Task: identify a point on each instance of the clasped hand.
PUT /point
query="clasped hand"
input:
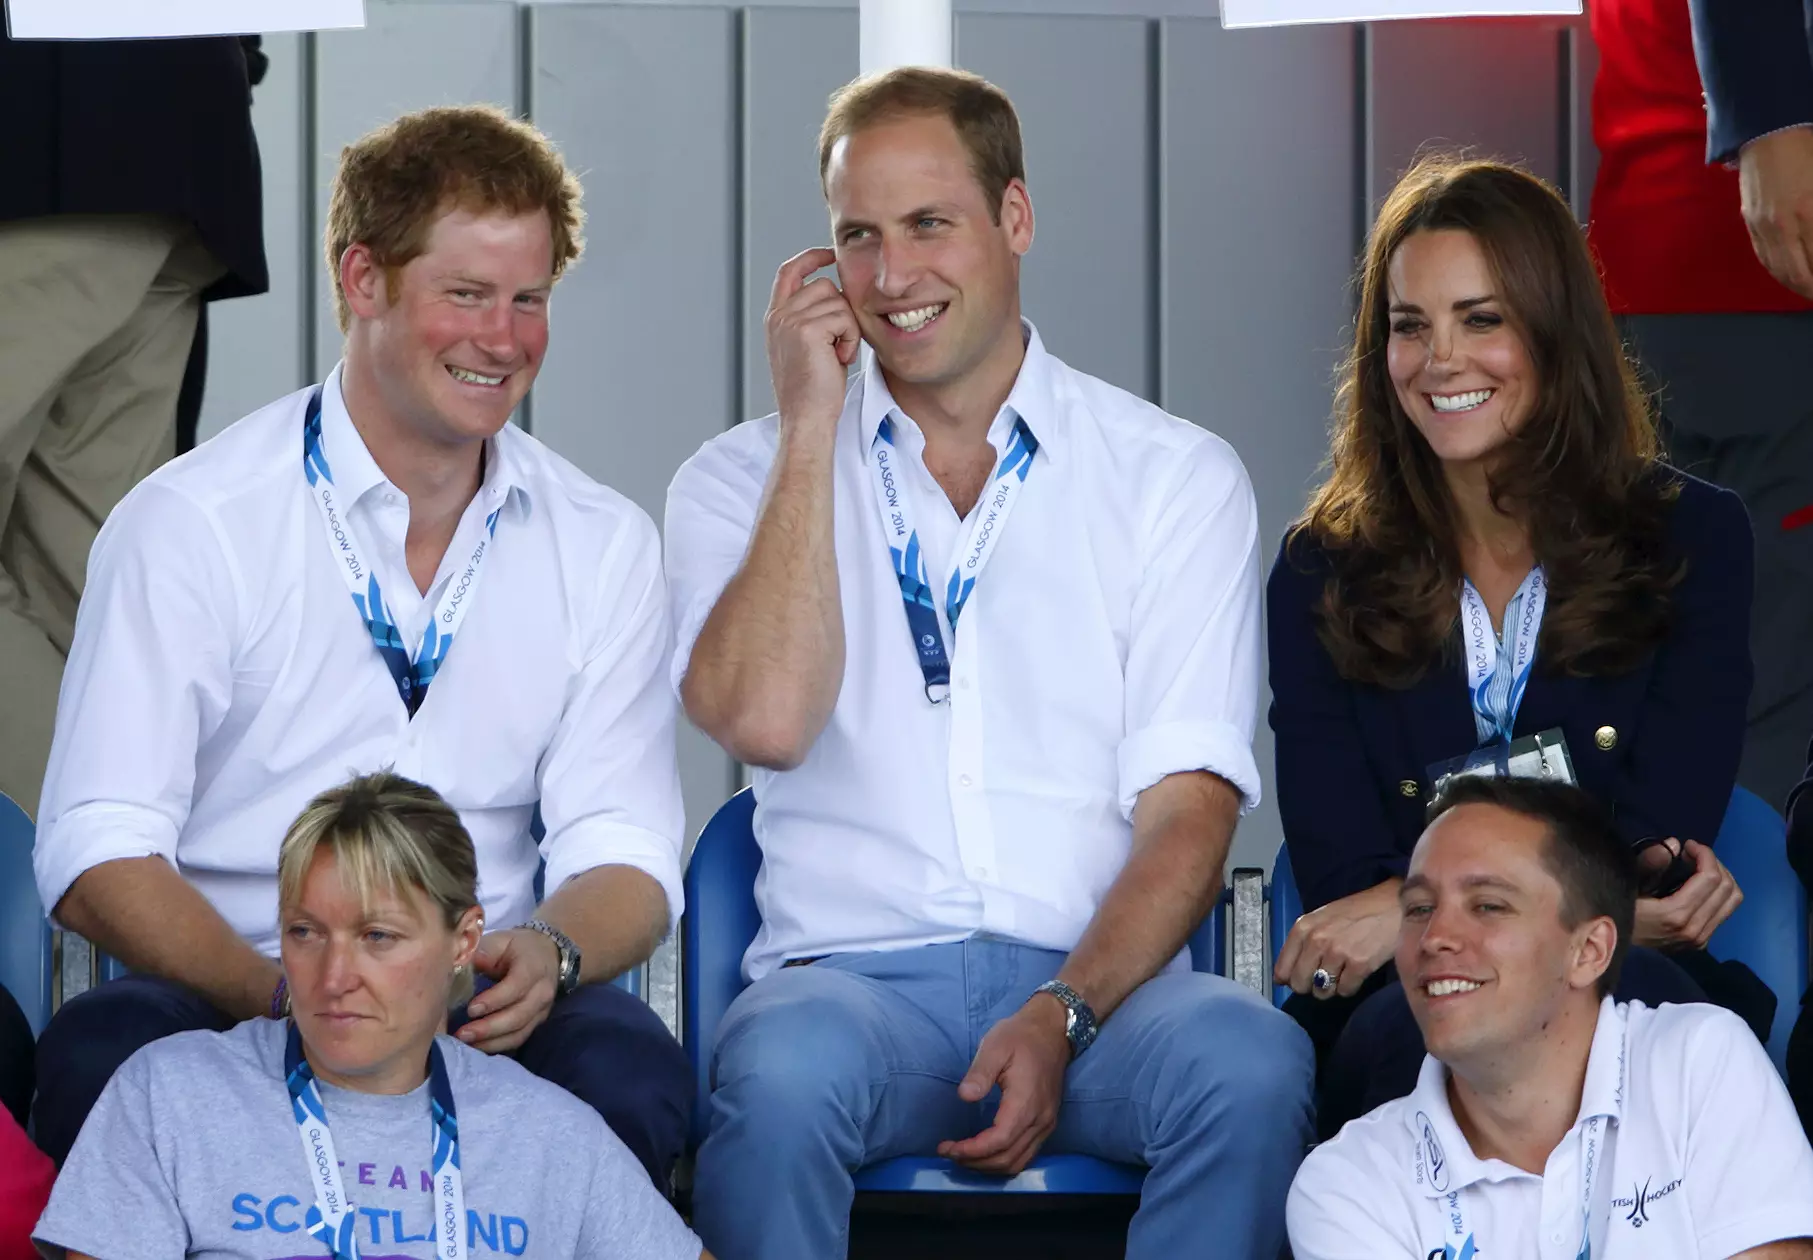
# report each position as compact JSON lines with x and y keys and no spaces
{"x":1026,"y":1054}
{"x":1349,"y":939}
{"x":1775,"y":183}
{"x":1686,"y":918}
{"x":525,"y":968}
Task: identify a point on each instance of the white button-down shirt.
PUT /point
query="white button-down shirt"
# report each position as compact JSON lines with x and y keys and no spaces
{"x":1113,"y":639}
{"x":1703,"y":1157}
{"x":221,"y":675}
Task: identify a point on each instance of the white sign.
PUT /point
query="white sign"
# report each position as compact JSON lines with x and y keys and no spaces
{"x":1236,"y":13}
{"x":149,"y":19}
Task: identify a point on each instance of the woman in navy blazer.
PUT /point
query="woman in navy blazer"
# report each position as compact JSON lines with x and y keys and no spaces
{"x":1493,"y":451}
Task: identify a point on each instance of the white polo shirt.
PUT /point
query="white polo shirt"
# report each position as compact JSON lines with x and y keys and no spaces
{"x":1696,"y":1154}
{"x":1112,"y":639}
{"x":221,"y":675}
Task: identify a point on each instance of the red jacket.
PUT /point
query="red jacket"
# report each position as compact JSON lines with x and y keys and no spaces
{"x":25,"y":1177}
{"x":1667,"y":227}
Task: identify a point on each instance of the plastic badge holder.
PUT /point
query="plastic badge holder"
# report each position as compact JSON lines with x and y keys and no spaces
{"x":1543,"y":755}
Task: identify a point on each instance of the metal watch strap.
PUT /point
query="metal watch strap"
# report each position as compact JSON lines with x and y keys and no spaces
{"x":569,"y":953}
{"x":1080,"y":1023}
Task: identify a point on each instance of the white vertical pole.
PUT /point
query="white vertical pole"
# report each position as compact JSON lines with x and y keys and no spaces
{"x":904,"y":33}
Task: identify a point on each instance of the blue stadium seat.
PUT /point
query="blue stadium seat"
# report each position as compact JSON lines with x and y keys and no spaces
{"x":1769,"y":931}
{"x":24,"y":932}
{"x":721,"y":920}
{"x":1286,"y":906}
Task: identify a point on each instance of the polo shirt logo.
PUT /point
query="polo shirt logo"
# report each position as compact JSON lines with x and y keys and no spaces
{"x":1429,"y":1158}
{"x":1641,"y":1198}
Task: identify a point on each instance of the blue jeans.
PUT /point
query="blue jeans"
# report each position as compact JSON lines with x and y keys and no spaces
{"x":822,"y":1069}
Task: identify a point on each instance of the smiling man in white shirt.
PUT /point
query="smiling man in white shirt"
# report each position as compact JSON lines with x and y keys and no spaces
{"x":382,"y":572}
{"x":1551,"y":1121}
{"x":1013,"y":755}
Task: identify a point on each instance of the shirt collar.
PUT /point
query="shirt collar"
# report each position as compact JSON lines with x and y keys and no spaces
{"x":356,"y":473}
{"x":1444,"y":1162}
{"x":1032,"y":399}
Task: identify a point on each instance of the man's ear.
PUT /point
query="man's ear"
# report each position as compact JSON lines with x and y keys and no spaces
{"x":1016,"y":216}
{"x":364,"y":282}
{"x":1595,"y":941}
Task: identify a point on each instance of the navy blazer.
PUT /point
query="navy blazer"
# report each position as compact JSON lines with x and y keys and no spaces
{"x":1756,"y":64}
{"x":1353,"y":758}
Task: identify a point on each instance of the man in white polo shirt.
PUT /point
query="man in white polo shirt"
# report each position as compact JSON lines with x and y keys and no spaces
{"x":1550,"y":1121}
{"x":382,"y":572}
{"x":997,"y":775}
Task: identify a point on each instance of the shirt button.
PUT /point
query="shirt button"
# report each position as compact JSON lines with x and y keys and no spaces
{"x":963,"y":780}
{"x":982,"y":872}
{"x":1606,"y":737}
{"x":962,"y":684}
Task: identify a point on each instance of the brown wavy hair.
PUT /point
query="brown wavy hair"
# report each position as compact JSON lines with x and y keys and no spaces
{"x":1583,"y":472}
{"x":395,"y":182}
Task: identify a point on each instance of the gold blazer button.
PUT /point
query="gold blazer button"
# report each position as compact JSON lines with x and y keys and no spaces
{"x":1606,"y":737}
{"x":1407,"y":788}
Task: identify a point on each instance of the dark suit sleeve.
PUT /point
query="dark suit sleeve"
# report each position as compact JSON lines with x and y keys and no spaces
{"x":1339,"y":836}
{"x":1683,"y":761}
{"x":1756,"y":64}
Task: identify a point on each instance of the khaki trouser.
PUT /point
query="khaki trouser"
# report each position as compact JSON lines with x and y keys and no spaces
{"x":97,"y":314}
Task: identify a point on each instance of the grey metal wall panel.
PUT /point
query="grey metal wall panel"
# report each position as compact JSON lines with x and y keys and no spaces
{"x":1258,"y":244}
{"x":1585,"y":67}
{"x":1489,"y":84}
{"x":793,"y":60}
{"x":255,"y":344}
{"x":642,"y":368}
{"x":1082,"y":87}
{"x":409,"y":56}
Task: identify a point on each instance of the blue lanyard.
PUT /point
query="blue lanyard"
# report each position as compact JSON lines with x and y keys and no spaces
{"x":331,"y":1219}
{"x":412,"y":674}
{"x":1461,"y":1244}
{"x":988,"y":520}
{"x":1482,"y":651}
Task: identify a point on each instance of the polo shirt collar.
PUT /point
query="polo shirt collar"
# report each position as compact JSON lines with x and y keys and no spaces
{"x":356,"y":473}
{"x":1032,"y":399}
{"x":1443,"y":1160}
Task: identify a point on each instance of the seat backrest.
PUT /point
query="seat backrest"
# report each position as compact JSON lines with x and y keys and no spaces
{"x":1286,"y":907}
{"x":720,"y":922}
{"x":24,"y":932}
{"x":1769,"y":930}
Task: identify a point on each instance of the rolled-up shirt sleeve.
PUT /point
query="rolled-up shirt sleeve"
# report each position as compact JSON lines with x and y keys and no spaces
{"x":610,"y":782}
{"x":711,"y":510}
{"x":1193,"y":655}
{"x":148,"y":679}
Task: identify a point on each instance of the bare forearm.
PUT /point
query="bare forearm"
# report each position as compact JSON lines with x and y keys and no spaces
{"x":146,"y":915}
{"x":1171,"y":880}
{"x":616,"y":915}
{"x":766,"y":668}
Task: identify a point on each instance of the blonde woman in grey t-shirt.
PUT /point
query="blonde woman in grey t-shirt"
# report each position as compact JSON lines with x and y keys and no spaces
{"x":355,"y":1126}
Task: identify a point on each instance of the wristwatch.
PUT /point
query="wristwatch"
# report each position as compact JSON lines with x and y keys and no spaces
{"x":569,"y":953}
{"x":1079,"y":1021}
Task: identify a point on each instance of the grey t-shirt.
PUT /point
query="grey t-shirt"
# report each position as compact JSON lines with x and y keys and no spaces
{"x":192,"y":1150}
